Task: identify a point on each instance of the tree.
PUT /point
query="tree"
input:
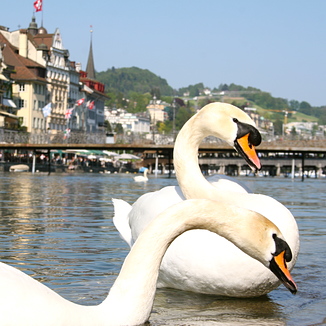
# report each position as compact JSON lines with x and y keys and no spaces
{"x":164,"y":127}
{"x":107,"y":126}
{"x":322,"y":119}
{"x":155,"y":91}
{"x":118,"y":129}
{"x":305,"y":108}
{"x":194,"y":90}
{"x":314,"y":130}
{"x":294,"y":105}
{"x":183,"y":115}
{"x":293,"y":133}
{"x":278,"y":127}
{"x":138,"y":102}
{"x":223,"y":87}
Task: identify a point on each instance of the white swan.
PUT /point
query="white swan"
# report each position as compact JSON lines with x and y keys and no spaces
{"x":192,"y":263}
{"x":25,"y":301}
{"x":142,"y":178}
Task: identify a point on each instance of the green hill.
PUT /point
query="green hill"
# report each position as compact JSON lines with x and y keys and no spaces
{"x":132,"y":83}
{"x":126,"y":80}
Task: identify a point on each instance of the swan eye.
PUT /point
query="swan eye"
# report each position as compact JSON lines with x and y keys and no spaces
{"x":235,"y":120}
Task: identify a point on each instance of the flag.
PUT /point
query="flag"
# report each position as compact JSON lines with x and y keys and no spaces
{"x":68,"y":113}
{"x":91,"y":105}
{"x":80,"y":101}
{"x":38,"y":5}
{"x":47,"y":110}
{"x":66,"y":133}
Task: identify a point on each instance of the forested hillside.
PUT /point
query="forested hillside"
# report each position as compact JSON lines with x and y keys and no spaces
{"x":126,"y":80}
{"x":133,"y":88}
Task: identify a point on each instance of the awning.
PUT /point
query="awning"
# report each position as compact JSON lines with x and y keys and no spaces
{"x":7,"y":102}
{"x":87,"y":89}
{"x":8,"y":114}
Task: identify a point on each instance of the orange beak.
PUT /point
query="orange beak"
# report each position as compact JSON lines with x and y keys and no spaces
{"x":247,"y":151}
{"x":279,"y":268}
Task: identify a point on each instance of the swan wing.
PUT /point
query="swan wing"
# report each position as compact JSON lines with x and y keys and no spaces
{"x":149,"y":205}
{"x":121,"y":219}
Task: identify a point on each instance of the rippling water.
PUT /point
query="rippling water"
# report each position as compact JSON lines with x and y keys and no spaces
{"x":59,"y":230}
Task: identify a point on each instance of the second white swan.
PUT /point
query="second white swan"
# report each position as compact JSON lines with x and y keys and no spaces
{"x":191,"y":263}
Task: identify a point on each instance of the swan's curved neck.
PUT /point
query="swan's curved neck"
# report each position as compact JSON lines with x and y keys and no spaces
{"x":185,"y":158}
{"x":133,"y":291}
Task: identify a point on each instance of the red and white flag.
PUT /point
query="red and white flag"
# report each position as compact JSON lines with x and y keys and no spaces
{"x":80,"y":101}
{"x":68,"y":113}
{"x":38,"y":5}
{"x":91,"y":105}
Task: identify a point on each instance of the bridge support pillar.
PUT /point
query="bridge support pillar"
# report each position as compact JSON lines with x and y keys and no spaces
{"x":301,"y":170}
{"x":163,"y":168}
{"x":239,"y":169}
{"x":278,"y":169}
{"x":319,"y":171}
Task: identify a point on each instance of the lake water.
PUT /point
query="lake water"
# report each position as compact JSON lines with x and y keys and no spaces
{"x":59,"y":230}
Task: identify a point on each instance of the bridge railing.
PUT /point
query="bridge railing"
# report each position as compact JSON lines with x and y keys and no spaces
{"x":49,"y":138}
{"x":81,"y":137}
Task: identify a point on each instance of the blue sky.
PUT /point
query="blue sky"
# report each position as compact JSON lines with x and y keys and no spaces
{"x":277,"y":46}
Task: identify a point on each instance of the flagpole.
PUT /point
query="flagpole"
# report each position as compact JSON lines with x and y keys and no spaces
{"x":42,"y":12}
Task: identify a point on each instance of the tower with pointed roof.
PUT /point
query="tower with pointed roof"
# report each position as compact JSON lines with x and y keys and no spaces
{"x":90,"y":68}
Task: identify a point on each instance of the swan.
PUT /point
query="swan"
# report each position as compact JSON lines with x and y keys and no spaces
{"x":191,"y":263}
{"x":141,"y":178}
{"x":25,"y":301}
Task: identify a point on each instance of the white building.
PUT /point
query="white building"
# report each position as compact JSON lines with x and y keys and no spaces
{"x":302,"y":128}
{"x":129,"y":121}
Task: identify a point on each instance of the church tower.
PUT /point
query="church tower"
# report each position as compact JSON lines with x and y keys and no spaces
{"x":90,"y":68}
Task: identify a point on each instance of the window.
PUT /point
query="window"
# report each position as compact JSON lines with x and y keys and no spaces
{"x":21,"y":104}
{"x":21,"y":87}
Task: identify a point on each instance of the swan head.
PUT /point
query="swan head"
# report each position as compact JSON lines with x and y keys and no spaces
{"x":274,"y":252}
{"x":261,"y":239}
{"x":277,"y":264}
{"x":248,"y":137}
{"x":233,"y":125}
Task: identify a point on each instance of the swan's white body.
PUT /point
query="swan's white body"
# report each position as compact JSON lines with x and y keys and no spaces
{"x":24,"y":301}
{"x":192,"y":263}
{"x":142,"y":178}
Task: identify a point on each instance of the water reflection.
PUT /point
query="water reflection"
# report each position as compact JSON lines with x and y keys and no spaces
{"x":59,"y":229}
{"x":179,"y":308}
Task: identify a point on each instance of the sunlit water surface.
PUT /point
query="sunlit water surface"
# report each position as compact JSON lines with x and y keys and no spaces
{"x":59,"y":230}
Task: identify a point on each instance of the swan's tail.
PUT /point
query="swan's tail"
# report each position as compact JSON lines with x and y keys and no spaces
{"x":121,"y":219}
